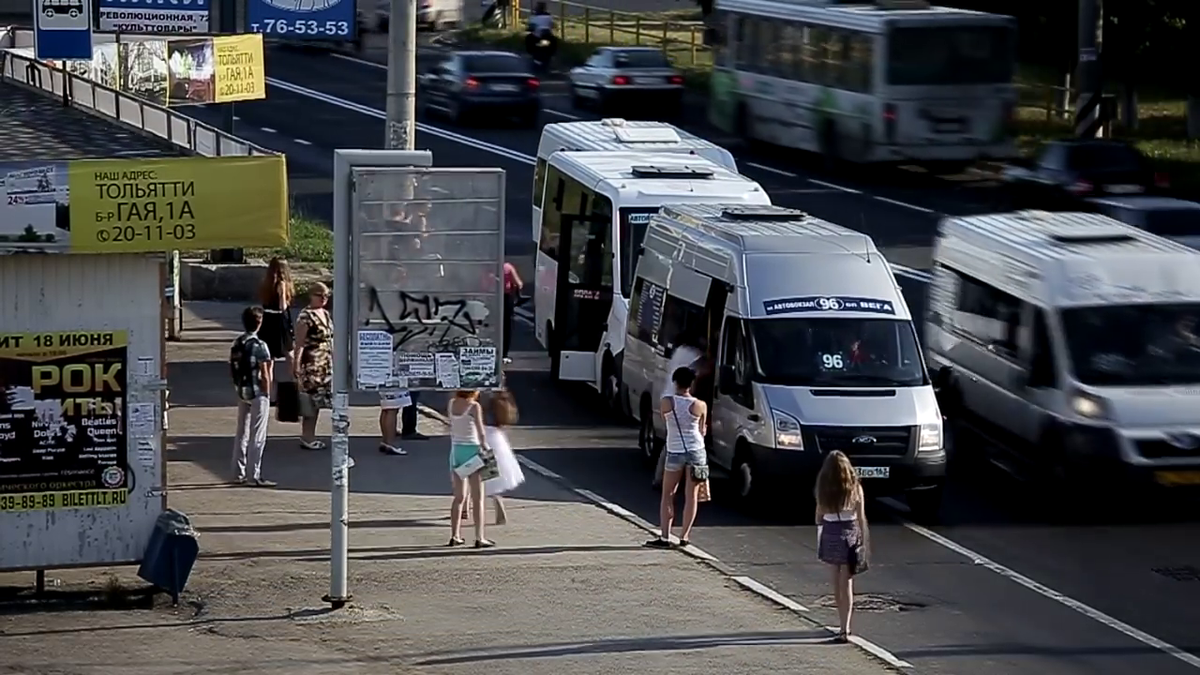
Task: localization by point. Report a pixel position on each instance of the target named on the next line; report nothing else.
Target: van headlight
(930, 440)
(1089, 406)
(787, 432)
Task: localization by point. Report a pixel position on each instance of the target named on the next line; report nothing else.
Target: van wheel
(555, 353)
(610, 385)
(926, 504)
(746, 489)
(829, 142)
(647, 443)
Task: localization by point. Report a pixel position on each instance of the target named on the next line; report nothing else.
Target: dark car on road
(475, 85)
(1069, 170)
(640, 79)
(1169, 218)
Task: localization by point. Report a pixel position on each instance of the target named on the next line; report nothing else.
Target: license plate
(1124, 189)
(647, 80)
(873, 471)
(504, 87)
(1177, 478)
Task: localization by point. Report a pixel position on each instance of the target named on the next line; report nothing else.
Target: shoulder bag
(699, 473)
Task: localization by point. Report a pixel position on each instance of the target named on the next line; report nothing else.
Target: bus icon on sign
(56, 8)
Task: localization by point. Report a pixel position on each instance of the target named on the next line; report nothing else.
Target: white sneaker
(350, 462)
(507, 360)
(391, 449)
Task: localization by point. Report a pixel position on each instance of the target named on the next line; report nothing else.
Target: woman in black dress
(276, 295)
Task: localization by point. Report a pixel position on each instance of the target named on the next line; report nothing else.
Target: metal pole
(1087, 105)
(228, 25)
(402, 76)
(339, 441)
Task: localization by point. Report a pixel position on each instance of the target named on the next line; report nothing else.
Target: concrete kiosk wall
(92, 294)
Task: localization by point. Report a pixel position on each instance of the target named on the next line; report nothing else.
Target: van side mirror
(942, 377)
(727, 381)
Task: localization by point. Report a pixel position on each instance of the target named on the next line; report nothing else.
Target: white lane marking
(236, 118)
(906, 205)
(770, 594)
(421, 126)
(771, 169)
(269, 130)
(361, 62)
(562, 114)
(835, 186)
(301, 141)
(1051, 594)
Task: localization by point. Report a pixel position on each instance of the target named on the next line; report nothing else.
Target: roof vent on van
(1092, 238)
(613, 122)
(763, 212)
(646, 135)
(646, 171)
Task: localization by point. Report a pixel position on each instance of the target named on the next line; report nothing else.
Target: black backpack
(241, 367)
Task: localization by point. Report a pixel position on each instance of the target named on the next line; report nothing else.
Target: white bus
(597, 206)
(616, 134)
(890, 81)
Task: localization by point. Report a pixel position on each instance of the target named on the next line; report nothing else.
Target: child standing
(467, 442)
(503, 413)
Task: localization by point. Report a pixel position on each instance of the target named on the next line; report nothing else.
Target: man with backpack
(252, 370)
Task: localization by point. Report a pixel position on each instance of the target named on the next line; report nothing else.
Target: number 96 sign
(303, 19)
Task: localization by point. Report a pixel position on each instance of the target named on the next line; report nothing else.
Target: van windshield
(1134, 345)
(837, 352)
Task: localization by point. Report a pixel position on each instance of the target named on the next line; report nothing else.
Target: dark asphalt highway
(1003, 587)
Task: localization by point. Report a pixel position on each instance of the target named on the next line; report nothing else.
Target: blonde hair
(318, 288)
(467, 394)
(276, 284)
(504, 408)
(838, 488)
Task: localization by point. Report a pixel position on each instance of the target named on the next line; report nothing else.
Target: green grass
(310, 241)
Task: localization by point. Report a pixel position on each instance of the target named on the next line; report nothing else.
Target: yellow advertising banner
(178, 203)
(239, 73)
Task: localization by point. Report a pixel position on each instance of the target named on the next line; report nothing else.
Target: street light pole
(1088, 115)
(400, 132)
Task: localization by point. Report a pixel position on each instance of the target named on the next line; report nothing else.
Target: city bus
(595, 209)
(889, 81)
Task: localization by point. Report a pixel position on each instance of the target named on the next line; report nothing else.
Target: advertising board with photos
(63, 416)
(179, 70)
(428, 260)
(143, 205)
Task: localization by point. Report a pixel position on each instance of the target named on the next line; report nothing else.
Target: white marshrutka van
(618, 135)
(597, 207)
(812, 341)
(1071, 341)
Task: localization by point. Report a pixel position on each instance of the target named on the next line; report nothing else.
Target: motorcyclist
(541, 27)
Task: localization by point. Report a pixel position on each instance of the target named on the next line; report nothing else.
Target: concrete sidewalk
(570, 589)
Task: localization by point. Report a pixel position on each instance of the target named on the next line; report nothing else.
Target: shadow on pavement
(424, 471)
(627, 645)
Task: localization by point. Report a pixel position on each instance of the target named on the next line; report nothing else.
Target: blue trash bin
(171, 553)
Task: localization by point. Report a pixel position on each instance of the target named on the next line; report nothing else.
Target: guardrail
(118, 107)
(581, 23)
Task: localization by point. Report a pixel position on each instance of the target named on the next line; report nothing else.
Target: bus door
(584, 296)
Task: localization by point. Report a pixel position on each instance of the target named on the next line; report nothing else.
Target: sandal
(484, 543)
(684, 543)
(313, 445)
(456, 541)
(658, 542)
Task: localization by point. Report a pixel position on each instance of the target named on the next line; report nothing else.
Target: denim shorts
(676, 461)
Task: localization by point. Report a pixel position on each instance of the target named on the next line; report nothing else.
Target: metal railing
(584, 24)
(118, 107)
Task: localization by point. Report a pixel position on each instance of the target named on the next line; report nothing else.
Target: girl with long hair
(503, 413)
(468, 439)
(276, 293)
(843, 541)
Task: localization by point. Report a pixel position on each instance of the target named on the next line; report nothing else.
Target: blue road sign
(303, 19)
(63, 29)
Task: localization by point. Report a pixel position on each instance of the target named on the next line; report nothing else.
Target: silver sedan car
(615, 78)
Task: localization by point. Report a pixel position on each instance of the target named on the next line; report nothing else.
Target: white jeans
(251, 436)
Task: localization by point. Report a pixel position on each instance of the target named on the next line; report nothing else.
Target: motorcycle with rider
(540, 42)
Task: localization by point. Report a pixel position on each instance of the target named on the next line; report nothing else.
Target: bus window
(539, 181)
(552, 214)
(860, 64)
(791, 42)
(934, 55)
(811, 55)
(832, 57)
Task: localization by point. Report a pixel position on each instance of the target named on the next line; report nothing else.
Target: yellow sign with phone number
(79, 499)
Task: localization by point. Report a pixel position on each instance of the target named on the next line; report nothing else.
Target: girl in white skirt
(504, 414)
